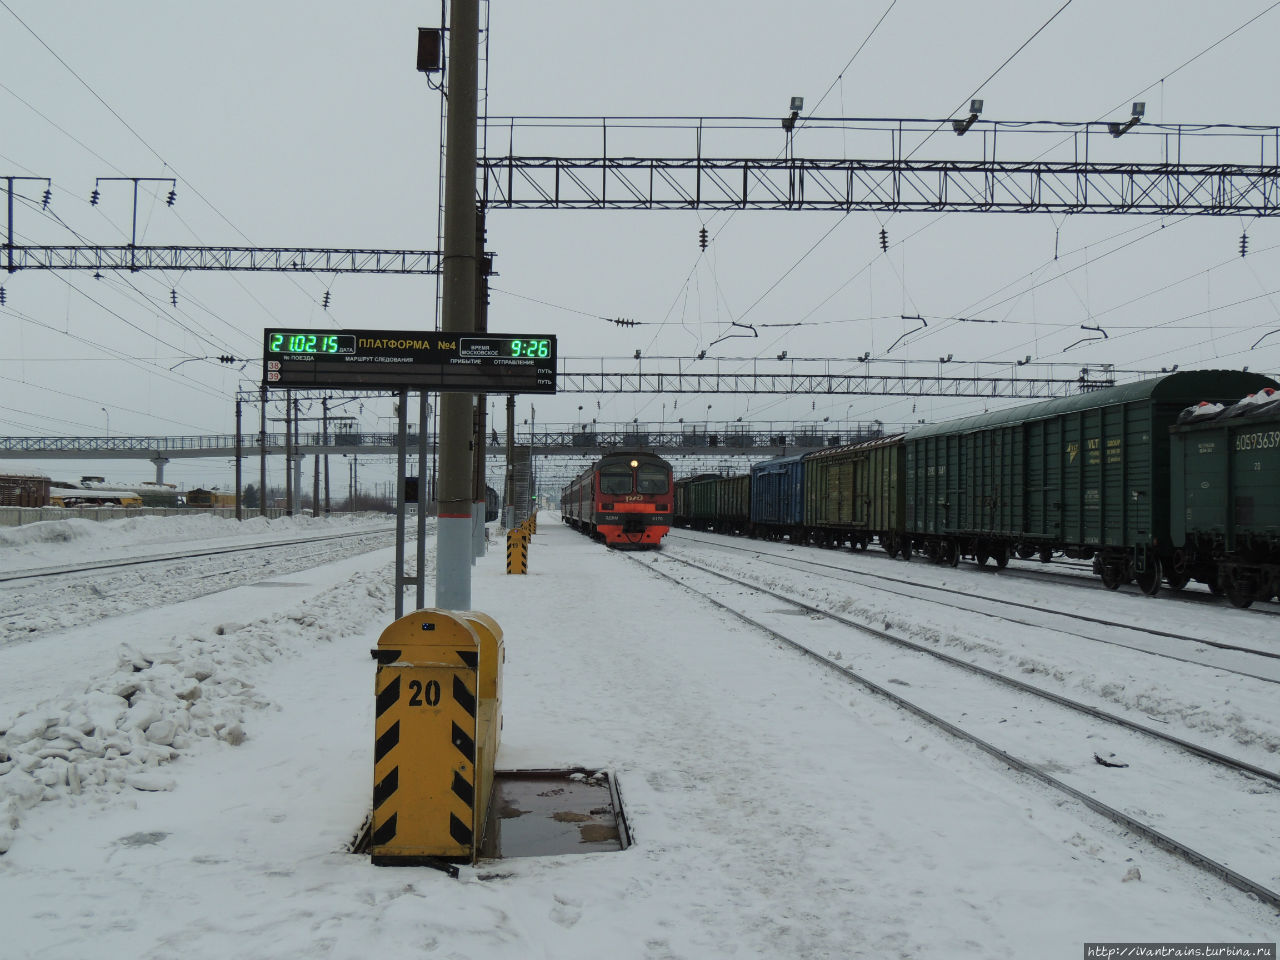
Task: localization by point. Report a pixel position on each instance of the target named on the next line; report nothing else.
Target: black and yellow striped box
(489, 714)
(518, 550)
(426, 731)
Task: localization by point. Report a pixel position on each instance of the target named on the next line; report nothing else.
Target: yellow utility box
(426, 732)
(489, 713)
(517, 551)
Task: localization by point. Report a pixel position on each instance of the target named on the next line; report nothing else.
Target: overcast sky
(305, 124)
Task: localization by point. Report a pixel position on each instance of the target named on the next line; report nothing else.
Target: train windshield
(651, 478)
(615, 478)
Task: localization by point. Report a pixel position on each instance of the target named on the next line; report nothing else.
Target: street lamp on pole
(108, 413)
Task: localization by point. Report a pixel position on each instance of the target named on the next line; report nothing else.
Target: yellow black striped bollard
(517, 551)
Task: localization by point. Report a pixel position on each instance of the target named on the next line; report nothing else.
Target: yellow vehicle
(209, 498)
(77, 497)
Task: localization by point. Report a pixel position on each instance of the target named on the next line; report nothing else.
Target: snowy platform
(771, 811)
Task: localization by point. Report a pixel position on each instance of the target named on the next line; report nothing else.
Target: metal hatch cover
(538, 813)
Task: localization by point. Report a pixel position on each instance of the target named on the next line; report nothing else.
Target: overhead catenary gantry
(258, 259)
(881, 165)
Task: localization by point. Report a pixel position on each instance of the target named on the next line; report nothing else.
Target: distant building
(24, 490)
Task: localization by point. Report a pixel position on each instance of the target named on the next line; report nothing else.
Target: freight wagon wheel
(1112, 575)
(1001, 556)
(981, 557)
(1177, 579)
(1025, 552)
(951, 553)
(1046, 554)
(1240, 590)
(1149, 579)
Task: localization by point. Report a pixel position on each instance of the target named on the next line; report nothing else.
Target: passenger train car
(624, 499)
(1157, 482)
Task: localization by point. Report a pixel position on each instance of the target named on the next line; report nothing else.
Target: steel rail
(185, 555)
(1045, 576)
(1182, 851)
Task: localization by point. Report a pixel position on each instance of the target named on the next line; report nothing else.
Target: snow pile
(123, 730)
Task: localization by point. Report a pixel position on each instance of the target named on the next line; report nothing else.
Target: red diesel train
(624, 499)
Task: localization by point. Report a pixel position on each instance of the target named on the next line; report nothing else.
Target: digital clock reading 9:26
(311, 343)
(530, 348)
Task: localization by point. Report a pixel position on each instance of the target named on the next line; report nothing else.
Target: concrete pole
(262, 455)
(288, 453)
(420, 555)
(297, 455)
(239, 453)
(324, 433)
(509, 488)
(478, 472)
(453, 537)
(402, 443)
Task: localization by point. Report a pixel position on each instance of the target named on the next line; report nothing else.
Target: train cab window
(615, 478)
(651, 478)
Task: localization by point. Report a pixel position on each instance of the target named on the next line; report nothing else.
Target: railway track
(1062, 570)
(68, 569)
(999, 607)
(1150, 782)
(34, 602)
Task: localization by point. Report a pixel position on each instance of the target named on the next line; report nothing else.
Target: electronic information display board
(400, 360)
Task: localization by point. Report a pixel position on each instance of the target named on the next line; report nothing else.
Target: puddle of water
(540, 813)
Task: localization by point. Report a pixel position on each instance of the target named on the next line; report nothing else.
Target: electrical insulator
(325, 302)
(226, 359)
(173, 195)
(884, 239)
(93, 198)
(1244, 244)
(2, 296)
(48, 195)
(173, 297)
(702, 238)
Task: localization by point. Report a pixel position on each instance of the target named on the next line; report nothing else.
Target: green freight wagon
(702, 501)
(855, 493)
(680, 513)
(1226, 499)
(732, 498)
(1086, 475)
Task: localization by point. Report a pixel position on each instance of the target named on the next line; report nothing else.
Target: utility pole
(296, 503)
(479, 487)
(324, 434)
(288, 453)
(509, 488)
(453, 537)
(262, 455)
(239, 454)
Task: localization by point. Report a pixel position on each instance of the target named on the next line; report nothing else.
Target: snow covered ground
(181, 779)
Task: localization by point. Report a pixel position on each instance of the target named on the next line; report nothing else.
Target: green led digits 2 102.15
(530, 348)
(311, 343)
